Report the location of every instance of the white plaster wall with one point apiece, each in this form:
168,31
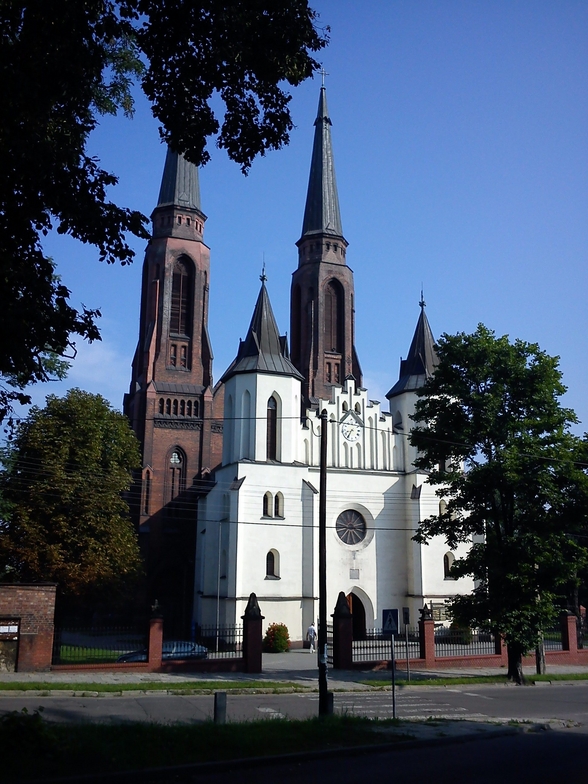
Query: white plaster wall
394,571
286,390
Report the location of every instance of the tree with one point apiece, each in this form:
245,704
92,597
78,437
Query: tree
497,444
65,63
64,518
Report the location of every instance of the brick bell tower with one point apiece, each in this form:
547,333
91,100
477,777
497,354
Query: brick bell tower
170,402
322,310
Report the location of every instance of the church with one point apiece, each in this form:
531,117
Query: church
228,501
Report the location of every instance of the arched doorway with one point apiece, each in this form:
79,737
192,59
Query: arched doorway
358,616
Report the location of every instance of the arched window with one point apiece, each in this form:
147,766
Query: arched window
272,564
296,319
146,492
168,406
448,561
180,311
189,408
182,408
357,408
272,429
175,480
333,316
196,408
267,505
175,407
161,405
279,505
442,508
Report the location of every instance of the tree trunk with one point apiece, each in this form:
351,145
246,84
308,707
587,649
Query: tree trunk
541,669
515,664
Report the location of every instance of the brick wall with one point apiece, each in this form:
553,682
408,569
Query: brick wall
34,607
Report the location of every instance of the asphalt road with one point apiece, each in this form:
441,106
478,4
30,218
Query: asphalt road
545,758
567,702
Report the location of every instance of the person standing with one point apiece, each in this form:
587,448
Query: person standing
311,637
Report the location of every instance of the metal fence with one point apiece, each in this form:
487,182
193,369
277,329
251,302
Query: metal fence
223,642
463,642
96,644
377,645
552,639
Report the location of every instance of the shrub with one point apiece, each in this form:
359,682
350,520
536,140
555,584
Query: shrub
277,639
460,635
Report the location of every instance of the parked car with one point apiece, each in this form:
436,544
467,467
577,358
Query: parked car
172,649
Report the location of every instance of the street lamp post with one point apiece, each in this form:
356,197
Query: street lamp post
325,699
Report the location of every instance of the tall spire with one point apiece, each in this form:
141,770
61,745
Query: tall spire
263,350
321,214
180,185
422,358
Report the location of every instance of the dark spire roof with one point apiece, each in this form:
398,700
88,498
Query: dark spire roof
321,214
263,350
422,358
180,184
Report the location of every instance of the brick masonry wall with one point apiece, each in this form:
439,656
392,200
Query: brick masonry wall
34,606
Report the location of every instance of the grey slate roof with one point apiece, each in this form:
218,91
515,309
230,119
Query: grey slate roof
422,358
263,350
164,387
180,184
321,214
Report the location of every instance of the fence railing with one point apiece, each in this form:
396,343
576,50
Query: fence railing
96,644
376,646
552,639
463,642
222,642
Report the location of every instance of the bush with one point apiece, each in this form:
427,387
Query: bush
460,635
277,639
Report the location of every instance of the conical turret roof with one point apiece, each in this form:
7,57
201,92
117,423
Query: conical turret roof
321,214
180,184
263,350
422,358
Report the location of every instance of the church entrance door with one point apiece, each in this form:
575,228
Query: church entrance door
358,615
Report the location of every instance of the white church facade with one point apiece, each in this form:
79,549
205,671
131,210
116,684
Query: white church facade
257,526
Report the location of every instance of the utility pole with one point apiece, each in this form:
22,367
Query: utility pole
325,699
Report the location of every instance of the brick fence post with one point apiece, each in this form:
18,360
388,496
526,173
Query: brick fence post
427,638
342,635
569,633
155,642
500,648
252,636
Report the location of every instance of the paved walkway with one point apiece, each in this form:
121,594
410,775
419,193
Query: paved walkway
297,666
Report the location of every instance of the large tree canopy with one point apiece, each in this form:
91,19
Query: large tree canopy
63,515
65,62
496,441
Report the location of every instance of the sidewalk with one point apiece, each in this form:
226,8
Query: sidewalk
297,666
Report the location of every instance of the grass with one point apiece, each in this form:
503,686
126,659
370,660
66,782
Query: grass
74,654
475,679
184,687
39,749
449,681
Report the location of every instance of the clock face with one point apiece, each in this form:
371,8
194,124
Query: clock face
351,431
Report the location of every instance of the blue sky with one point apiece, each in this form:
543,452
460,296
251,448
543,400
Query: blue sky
460,141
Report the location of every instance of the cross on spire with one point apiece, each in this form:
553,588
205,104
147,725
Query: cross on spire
323,73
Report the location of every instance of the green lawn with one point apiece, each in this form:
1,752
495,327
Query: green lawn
35,749
75,654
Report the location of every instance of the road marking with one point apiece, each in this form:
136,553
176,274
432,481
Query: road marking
271,713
